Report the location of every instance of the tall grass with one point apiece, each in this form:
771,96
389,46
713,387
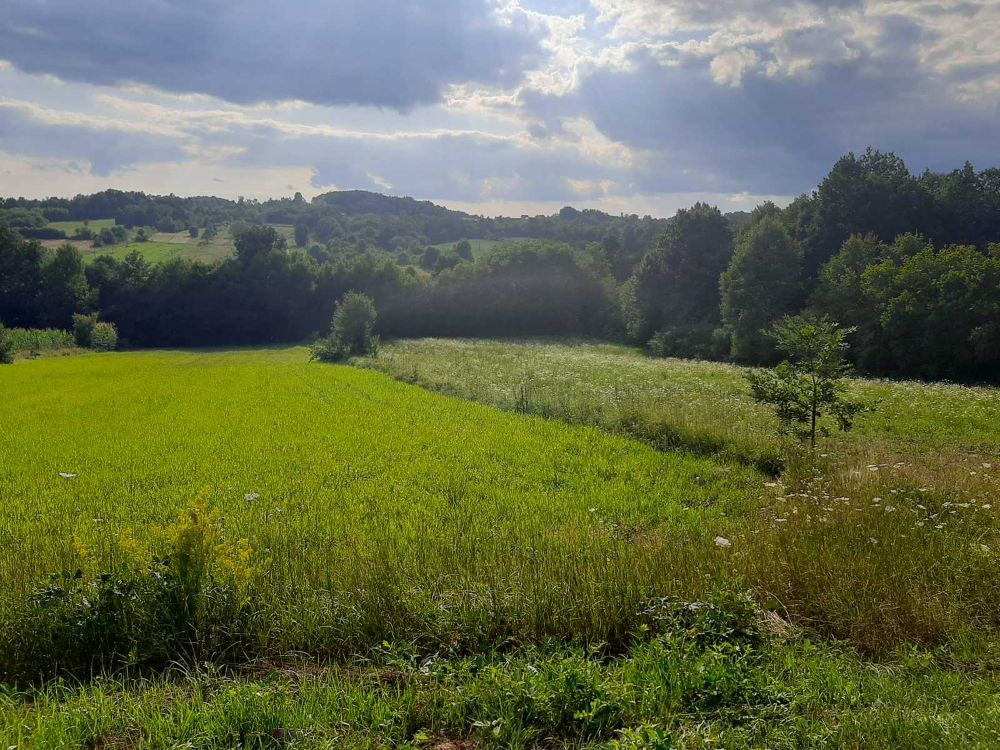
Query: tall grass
40,339
890,537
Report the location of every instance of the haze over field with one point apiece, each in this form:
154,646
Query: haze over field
640,106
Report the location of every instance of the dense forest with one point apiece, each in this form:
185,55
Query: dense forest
911,262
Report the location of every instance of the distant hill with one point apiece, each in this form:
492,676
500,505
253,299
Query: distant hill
363,202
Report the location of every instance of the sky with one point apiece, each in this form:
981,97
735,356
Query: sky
490,106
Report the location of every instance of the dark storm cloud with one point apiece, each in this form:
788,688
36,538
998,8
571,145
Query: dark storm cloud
369,52
779,132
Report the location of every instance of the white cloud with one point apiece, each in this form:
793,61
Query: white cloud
729,68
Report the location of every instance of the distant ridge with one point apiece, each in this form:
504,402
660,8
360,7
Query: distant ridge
363,202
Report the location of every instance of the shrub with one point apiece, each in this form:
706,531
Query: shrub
328,350
350,330
697,341
83,329
105,337
91,334
6,347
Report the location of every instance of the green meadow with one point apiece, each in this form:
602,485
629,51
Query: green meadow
69,227
239,548
155,251
480,248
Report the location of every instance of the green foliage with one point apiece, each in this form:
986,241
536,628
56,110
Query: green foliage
151,608
104,337
917,310
88,333
63,287
762,284
673,293
351,330
83,329
37,340
6,346
809,384
256,241
694,341
430,257
301,235
678,283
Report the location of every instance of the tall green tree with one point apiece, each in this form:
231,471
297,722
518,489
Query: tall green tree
256,241
939,312
20,278
871,194
64,289
301,235
677,283
762,284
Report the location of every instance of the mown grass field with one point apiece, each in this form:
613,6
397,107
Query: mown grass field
156,251
480,248
69,227
364,563
161,247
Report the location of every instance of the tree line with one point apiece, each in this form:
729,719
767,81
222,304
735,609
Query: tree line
909,263
332,225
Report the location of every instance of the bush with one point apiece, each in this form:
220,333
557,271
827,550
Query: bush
6,347
697,341
90,334
83,329
350,330
105,337
43,233
327,350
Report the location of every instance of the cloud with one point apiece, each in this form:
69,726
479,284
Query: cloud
103,144
497,102
372,52
747,95
459,166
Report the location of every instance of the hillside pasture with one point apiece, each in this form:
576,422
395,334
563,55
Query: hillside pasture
480,248
69,227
